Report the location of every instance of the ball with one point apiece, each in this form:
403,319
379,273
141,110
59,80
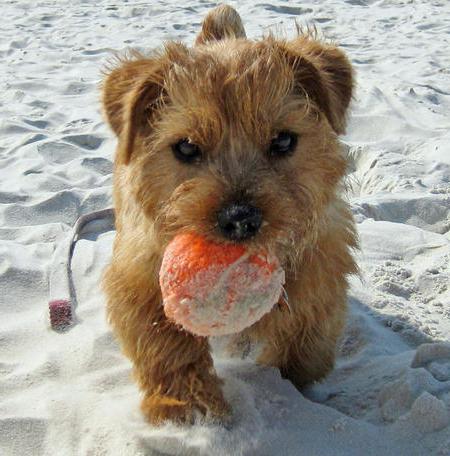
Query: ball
214,289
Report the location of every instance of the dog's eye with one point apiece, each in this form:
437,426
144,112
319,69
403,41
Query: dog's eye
186,151
283,144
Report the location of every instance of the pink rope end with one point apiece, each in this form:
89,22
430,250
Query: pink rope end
60,313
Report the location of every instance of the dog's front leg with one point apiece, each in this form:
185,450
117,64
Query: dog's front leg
173,367
177,376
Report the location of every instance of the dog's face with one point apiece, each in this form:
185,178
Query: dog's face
234,139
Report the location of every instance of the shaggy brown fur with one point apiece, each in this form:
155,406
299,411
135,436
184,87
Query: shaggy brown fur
230,96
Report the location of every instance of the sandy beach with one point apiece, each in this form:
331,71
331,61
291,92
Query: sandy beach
71,393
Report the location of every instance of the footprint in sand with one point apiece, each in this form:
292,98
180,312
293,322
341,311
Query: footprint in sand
322,20
77,88
58,152
41,124
77,124
98,164
41,104
9,198
98,51
62,207
34,138
293,10
13,128
89,142
19,44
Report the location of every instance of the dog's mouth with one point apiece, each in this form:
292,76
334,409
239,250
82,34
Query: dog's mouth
280,244
199,206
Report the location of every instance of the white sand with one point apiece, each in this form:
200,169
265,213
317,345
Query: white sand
70,394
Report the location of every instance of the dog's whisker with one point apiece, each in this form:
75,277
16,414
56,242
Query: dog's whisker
284,301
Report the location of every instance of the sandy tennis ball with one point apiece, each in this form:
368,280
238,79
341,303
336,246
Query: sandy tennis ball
213,289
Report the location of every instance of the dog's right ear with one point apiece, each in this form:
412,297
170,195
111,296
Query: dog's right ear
130,92
325,74
220,23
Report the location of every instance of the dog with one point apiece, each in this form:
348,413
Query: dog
248,130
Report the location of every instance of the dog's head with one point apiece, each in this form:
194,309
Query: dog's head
233,138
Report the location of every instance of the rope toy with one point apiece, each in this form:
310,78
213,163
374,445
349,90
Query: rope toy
62,297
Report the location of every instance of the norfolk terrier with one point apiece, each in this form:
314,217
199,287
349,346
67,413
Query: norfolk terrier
248,130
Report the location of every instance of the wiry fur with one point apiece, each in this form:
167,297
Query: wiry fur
230,96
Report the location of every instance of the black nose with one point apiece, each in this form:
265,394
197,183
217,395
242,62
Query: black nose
239,221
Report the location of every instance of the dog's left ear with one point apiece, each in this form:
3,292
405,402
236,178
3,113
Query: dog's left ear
130,93
325,74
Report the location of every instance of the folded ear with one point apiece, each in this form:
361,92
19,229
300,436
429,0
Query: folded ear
130,93
325,74
220,23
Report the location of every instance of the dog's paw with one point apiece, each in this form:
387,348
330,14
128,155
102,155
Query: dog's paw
159,409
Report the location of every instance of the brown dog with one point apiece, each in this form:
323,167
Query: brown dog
248,130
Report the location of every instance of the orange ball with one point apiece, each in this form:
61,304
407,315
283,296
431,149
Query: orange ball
212,289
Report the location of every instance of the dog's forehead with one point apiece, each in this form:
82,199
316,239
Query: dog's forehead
230,64
237,52
245,82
